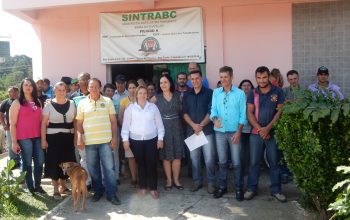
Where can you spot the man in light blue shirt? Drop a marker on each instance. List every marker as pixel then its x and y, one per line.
pixel 228 112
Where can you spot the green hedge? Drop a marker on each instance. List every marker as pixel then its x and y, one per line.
pixel 314 134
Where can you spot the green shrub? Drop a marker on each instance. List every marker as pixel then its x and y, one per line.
pixel 314 134
pixel 9 188
pixel 341 206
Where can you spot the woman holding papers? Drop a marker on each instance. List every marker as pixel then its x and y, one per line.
pixel 143 133
pixel 169 104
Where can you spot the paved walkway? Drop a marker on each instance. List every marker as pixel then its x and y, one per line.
pixel 181 205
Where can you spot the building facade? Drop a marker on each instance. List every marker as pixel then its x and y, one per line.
pixel 244 34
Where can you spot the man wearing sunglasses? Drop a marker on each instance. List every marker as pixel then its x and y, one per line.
pixel 324 86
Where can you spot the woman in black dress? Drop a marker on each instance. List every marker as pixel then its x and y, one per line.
pixel 57 137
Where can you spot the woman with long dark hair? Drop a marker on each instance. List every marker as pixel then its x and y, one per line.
pixel 169 105
pixel 25 122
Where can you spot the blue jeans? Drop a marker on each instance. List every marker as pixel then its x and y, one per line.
pixel 97 154
pixel 223 141
pixel 208 151
pixel 256 154
pixel 31 149
pixel 12 155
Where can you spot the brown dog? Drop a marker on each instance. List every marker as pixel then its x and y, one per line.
pixel 78 176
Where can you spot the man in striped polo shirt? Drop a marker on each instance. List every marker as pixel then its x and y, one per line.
pixel 97 126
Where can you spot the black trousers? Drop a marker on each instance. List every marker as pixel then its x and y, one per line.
pixel 146 155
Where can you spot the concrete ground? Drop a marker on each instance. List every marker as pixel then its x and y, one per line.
pixel 181 205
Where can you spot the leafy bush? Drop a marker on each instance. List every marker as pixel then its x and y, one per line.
pixel 9 188
pixel 342 204
pixel 314 134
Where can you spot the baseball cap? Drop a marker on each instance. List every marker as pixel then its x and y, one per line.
pixel 74 81
pixel 120 78
pixel 322 69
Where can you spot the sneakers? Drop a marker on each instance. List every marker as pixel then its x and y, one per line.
pixel 280 197
pixel 211 188
pixel 196 186
pixel 249 195
pixel 114 200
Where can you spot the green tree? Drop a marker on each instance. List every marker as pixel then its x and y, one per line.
pixel 13 70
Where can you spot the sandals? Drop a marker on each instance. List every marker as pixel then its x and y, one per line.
pixel 179 187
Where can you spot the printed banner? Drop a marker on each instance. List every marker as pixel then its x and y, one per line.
pixel 170 36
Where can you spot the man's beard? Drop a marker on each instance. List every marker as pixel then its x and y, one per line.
pixel 264 86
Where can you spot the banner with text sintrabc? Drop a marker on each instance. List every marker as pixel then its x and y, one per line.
pixel 169 36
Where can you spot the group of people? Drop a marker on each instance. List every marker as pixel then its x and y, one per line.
pixel 98 126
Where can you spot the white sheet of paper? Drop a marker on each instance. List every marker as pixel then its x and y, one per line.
pixel 195 141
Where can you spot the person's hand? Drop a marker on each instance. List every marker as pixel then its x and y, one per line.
pixel 235 138
pixel 126 145
pixel 197 128
pixel 160 144
pixel 264 132
pixel 217 123
pixel 47 101
pixel 81 143
pixel 44 144
pixel 16 148
pixel 113 143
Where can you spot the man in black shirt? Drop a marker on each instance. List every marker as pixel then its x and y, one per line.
pixel 40 88
pixel 13 93
pixel 196 107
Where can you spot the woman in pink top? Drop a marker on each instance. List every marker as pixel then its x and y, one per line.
pixel 25 123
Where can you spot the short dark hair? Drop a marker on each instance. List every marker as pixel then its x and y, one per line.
pixel 172 85
pixel 150 84
pixel 196 71
pixel 244 81
pixel 47 81
pixel 96 80
pixel 226 69
pixel 181 73
pixel 262 69
pixel 14 88
pixel 197 65
pixel 108 86
pixel 292 72
pixel 131 82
